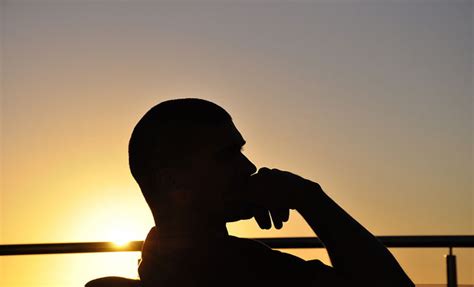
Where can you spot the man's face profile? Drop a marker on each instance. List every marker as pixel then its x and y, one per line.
pixel 216 178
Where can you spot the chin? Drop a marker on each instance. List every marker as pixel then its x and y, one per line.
pixel 235 212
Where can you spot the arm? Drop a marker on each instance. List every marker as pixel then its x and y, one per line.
pixel 356 255
pixel 354 251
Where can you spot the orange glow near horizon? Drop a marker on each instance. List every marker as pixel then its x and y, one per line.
pixel 372 101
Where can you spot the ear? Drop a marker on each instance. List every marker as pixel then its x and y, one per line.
pixel 169 180
pixel 167 177
pixel 181 197
pixel 164 179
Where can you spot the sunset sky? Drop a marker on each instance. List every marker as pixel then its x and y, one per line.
pixel 371 99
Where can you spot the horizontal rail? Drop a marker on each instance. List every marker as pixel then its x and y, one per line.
pixel 430 241
pixel 427 241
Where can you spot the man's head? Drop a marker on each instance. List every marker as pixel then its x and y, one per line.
pixel 186 153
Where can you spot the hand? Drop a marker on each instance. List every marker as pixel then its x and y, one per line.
pixel 244 211
pixel 274 192
pixel 262 217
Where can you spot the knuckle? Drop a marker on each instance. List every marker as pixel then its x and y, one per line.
pixel 317 185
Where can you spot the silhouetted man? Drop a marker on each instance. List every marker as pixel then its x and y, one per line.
pixel 186 156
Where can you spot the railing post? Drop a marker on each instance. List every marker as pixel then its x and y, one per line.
pixel 451 268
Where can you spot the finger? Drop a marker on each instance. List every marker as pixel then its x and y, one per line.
pixel 285 214
pixel 260 183
pixel 260 177
pixel 262 217
pixel 279 215
pixel 276 218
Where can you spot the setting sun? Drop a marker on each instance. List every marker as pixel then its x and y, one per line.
pixel 120 238
pixel 120 242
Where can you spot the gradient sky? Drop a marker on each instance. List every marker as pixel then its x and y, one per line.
pixel 372 99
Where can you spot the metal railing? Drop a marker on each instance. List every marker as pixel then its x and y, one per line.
pixel 429 241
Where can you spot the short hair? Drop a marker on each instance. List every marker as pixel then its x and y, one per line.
pixel 166 136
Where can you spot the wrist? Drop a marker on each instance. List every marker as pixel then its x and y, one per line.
pixel 309 196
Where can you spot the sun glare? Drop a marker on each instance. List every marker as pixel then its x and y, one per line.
pixel 120 238
pixel 121 242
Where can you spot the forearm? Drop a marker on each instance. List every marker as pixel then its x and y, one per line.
pixel 354 252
